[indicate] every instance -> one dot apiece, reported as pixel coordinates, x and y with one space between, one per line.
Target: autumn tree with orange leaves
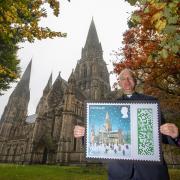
151 45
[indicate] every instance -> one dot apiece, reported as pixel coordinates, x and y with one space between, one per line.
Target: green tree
19 22
9 65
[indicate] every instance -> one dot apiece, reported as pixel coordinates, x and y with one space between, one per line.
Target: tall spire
108 122
91 72
25 80
27 73
16 109
92 37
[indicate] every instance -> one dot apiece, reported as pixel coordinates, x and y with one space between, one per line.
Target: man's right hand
79 131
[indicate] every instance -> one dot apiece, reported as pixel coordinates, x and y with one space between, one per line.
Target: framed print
123 131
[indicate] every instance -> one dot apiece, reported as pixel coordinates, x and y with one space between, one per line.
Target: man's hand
79 131
169 129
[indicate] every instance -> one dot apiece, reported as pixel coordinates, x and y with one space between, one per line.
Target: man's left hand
169 129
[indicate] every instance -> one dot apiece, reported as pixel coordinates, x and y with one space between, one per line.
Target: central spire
92 37
91 72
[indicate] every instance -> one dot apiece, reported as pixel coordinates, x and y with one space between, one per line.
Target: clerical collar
128 95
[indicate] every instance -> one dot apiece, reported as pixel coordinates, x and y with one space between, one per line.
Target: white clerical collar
129 95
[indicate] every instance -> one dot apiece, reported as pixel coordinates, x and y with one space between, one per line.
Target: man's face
127 82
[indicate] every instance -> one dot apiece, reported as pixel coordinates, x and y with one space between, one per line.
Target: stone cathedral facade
47 136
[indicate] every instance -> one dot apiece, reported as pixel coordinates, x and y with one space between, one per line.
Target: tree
9 65
19 23
151 45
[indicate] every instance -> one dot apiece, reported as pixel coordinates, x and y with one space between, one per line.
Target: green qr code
145 131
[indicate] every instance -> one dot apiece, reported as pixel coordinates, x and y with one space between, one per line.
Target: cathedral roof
57 91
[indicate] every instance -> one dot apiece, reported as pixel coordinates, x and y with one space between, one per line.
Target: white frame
122 144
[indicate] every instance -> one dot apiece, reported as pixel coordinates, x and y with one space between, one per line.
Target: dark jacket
125 170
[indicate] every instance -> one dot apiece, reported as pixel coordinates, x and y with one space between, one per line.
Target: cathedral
107 136
47 135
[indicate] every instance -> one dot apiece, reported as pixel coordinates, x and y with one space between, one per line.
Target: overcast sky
61 54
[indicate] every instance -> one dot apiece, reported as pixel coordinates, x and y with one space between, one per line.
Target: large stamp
123 131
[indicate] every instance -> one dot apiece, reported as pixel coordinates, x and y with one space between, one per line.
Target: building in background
47 136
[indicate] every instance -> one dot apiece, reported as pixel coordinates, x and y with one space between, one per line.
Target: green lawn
44 172
174 174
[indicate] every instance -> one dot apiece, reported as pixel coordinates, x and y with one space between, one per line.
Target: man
126 170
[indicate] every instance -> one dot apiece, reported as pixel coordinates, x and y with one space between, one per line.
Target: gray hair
127 70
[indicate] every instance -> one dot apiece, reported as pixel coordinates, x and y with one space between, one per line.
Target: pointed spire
71 77
92 37
107 116
57 91
107 122
25 79
41 107
50 80
16 109
59 76
59 80
27 73
48 86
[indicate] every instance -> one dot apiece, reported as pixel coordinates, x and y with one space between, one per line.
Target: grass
44 172
174 174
